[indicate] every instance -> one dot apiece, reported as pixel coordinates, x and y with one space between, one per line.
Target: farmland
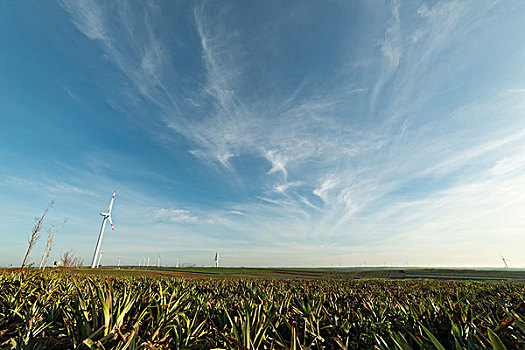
259 309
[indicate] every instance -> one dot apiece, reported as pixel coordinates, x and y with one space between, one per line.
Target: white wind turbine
106 216
505 262
217 258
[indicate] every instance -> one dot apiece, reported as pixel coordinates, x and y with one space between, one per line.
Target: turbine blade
111 203
111 222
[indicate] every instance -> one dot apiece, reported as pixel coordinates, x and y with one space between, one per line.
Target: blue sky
298 133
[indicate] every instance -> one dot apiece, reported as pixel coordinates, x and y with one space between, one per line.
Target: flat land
441 274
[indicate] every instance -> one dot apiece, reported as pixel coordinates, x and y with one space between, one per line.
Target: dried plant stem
50 240
46 251
34 234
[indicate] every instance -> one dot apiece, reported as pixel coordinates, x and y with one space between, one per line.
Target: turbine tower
505 262
106 216
100 256
217 258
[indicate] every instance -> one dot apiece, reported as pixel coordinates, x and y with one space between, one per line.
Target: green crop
66 310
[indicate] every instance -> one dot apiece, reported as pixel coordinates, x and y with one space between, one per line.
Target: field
198 308
494 275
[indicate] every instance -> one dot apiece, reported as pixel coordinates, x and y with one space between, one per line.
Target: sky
296 133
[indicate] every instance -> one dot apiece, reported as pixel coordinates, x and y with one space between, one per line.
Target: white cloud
89 18
172 215
282 188
278 163
516 90
274 201
306 202
316 128
509 165
237 212
326 186
391 48
46 186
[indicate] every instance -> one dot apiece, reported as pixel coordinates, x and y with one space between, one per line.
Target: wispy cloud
172 215
88 17
282 188
130 45
45 186
331 153
237 212
391 48
278 163
323 190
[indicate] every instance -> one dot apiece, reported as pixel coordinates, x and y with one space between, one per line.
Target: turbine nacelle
107 216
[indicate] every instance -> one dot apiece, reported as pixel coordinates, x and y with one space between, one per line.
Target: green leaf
495 341
434 340
105 310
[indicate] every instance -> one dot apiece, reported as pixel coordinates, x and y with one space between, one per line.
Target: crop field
494 275
79 309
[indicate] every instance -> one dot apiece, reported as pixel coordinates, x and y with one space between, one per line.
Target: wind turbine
505 262
106 216
100 256
217 258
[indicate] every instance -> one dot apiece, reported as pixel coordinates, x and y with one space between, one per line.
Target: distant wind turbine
106 216
217 258
505 262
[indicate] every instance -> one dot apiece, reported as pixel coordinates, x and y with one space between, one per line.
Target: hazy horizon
299 133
